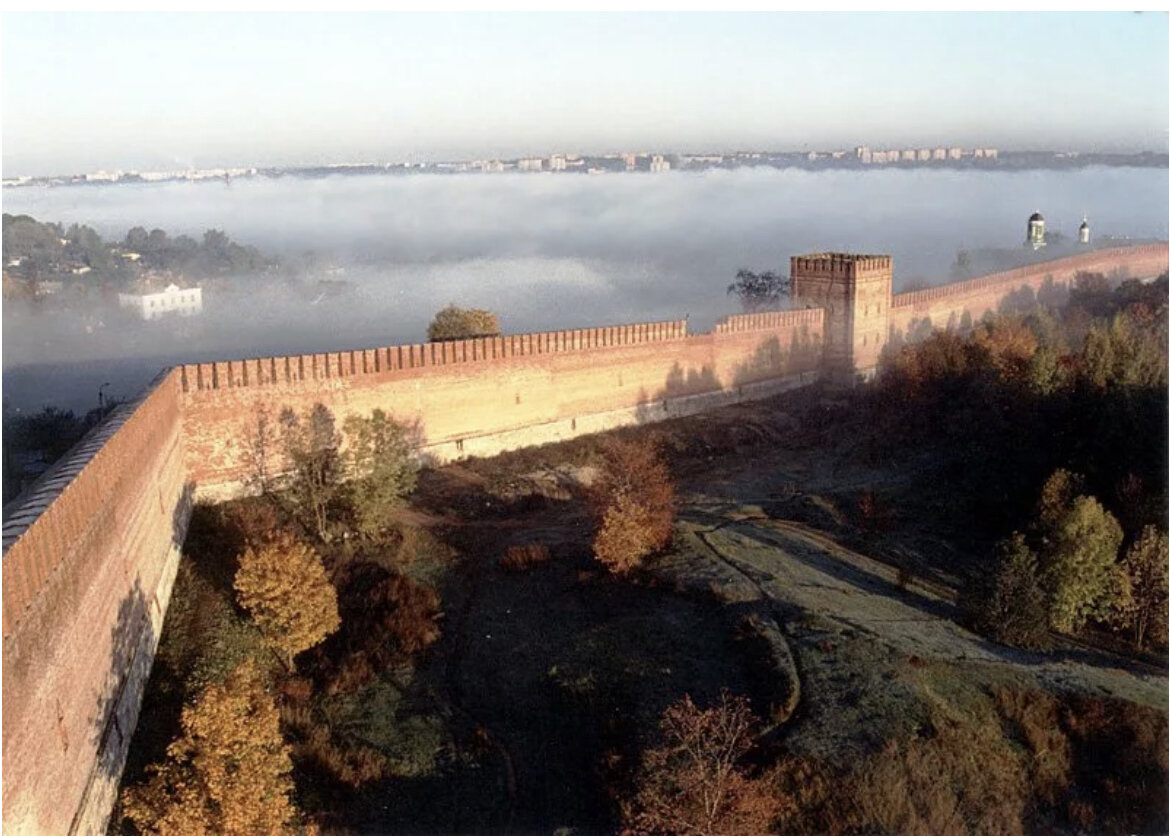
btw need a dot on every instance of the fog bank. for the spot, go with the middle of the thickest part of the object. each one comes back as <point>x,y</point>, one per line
<point>543,251</point>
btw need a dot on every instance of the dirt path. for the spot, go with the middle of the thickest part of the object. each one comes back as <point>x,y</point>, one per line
<point>806,572</point>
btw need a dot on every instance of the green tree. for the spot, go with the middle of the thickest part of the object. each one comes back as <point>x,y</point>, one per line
<point>1013,607</point>
<point>311,447</point>
<point>1080,564</point>
<point>381,460</point>
<point>454,323</point>
<point>283,586</point>
<point>1145,608</point>
<point>229,772</point>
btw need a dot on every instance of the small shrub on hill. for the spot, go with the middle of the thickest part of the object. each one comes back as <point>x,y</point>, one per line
<point>387,618</point>
<point>525,556</point>
<point>695,781</point>
<point>633,504</point>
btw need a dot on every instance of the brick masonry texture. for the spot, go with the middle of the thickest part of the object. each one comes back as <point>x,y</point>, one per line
<point>91,550</point>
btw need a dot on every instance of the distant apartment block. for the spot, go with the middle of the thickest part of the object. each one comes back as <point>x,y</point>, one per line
<point>954,154</point>
<point>557,162</point>
<point>530,164</point>
<point>186,302</point>
<point>658,163</point>
<point>631,161</point>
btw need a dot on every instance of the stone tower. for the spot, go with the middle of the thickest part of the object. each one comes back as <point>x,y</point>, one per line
<point>1035,231</point>
<point>1083,231</point>
<point>855,292</point>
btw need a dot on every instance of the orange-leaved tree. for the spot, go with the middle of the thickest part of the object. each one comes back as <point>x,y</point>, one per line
<point>633,503</point>
<point>283,586</point>
<point>695,782</point>
<point>229,772</point>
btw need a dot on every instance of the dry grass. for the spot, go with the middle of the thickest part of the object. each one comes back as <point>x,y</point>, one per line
<point>1033,718</point>
<point>957,781</point>
<point>314,747</point>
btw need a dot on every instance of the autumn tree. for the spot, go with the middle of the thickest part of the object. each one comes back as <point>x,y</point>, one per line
<point>1010,346</point>
<point>455,323</point>
<point>695,782</point>
<point>311,447</point>
<point>633,504</point>
<point>1145,607</point>
<point>283,586</point>
<point>381,466</point>
<point>229,771</point>
<point>1079,561</point>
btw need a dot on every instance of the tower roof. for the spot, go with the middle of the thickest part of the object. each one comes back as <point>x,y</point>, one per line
<point>1036,216</point>
<point>1085,224</point>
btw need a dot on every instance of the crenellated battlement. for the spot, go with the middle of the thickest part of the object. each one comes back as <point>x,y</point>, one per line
<point>259,372</point>
<point>769,319</point>
<point>839,264</point>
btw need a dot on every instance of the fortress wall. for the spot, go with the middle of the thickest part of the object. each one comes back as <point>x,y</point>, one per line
<point>949,306</point>
<point>90,555</point>
<point>483,396</point>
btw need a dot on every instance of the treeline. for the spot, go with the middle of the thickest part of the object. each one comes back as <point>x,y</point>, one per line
<point>1055,426</point>
<point>35,250</point>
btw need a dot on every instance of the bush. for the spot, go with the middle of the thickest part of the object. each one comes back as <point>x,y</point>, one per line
<point>633,504</point>
<point>524,557</point>
<point>387,617</point>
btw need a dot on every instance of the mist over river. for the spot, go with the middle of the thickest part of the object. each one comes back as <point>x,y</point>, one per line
<point>544,251</point>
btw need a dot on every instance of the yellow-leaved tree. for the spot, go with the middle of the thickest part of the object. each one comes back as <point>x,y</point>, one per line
<point>283,586</point>
<point>229,771</point>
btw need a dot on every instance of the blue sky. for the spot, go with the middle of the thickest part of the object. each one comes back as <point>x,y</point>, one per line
<point>137,90</point>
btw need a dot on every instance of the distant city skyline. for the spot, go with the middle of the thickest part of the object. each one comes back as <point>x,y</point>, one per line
<point>83,92</point>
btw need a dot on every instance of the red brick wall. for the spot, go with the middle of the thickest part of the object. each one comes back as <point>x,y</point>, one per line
<point>947,305</point>
<point>89,560</point>
<point>465,392</point>
<point>90,553</point>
